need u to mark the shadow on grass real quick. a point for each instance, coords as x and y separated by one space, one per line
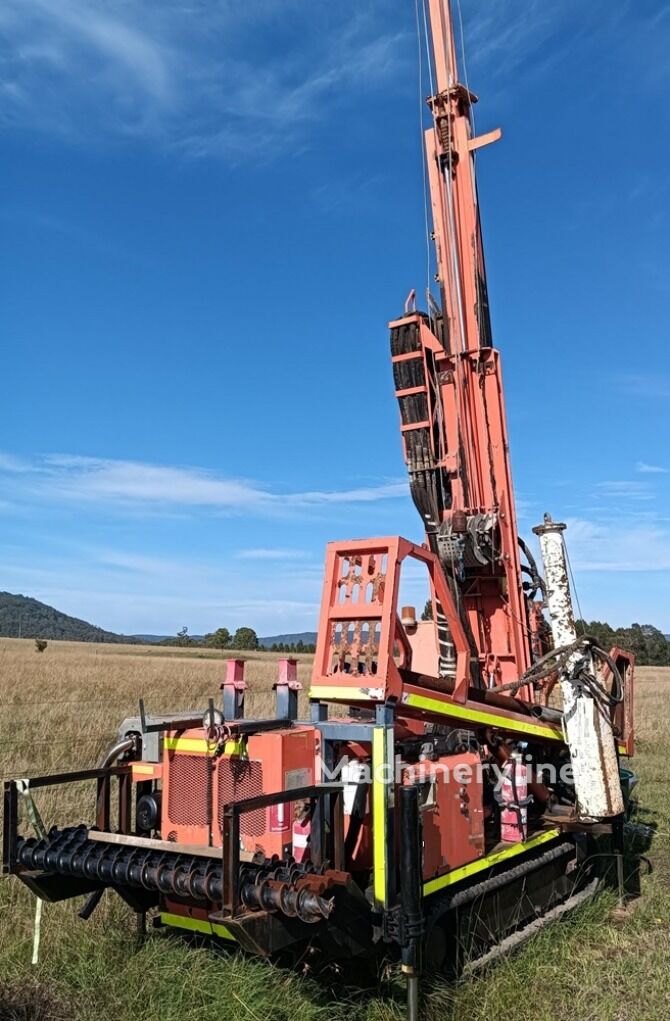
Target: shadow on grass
330 988
31 1001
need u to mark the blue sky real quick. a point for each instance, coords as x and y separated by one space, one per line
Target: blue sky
209 212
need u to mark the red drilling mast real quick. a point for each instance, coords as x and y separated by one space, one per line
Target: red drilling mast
449 388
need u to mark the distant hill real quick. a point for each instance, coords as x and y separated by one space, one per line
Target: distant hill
306 637
23 617
149 639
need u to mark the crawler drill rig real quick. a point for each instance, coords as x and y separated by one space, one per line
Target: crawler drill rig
431 774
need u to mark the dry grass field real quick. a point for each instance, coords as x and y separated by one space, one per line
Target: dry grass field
60 709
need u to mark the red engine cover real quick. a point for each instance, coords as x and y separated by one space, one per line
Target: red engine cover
452 811
275 761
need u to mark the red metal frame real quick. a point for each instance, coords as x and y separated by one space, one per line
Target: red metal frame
359 627
624 718
362 647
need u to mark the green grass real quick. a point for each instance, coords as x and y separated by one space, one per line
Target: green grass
599 968
595 965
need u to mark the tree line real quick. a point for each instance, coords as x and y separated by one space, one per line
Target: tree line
244 639
298 646
650 646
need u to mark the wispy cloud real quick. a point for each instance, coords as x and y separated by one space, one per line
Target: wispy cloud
501 35
131 485
137 563
650 469
507 37
641 385
130 592
215 78
271 554
9 463
624 489
620 544
66 230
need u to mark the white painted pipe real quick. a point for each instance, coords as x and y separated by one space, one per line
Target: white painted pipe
590 738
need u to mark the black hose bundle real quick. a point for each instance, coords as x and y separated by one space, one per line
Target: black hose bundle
556 661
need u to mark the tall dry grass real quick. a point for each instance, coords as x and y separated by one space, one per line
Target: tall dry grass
61 708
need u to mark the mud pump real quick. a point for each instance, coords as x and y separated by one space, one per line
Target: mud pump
468 761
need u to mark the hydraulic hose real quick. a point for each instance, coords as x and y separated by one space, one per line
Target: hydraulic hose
116 751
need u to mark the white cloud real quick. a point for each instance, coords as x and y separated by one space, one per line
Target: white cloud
505 38
9 463
133 593
650 469
622 544
502 35
271 554
624 489
640 385
101 479
134 562
364 494
135 485
217 78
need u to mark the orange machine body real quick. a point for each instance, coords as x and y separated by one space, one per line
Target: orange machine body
264 763
452 811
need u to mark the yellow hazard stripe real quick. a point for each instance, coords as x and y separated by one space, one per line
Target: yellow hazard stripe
477 716
199 744
189 744
455 876
353 694
196 925
380 791
234 747
443 708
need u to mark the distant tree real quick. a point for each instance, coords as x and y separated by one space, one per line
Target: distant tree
40 645
646 642
427 612
658 647
245 638
300 646
633 639
219 639
603 633
183 637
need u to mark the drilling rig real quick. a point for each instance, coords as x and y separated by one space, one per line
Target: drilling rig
443 794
